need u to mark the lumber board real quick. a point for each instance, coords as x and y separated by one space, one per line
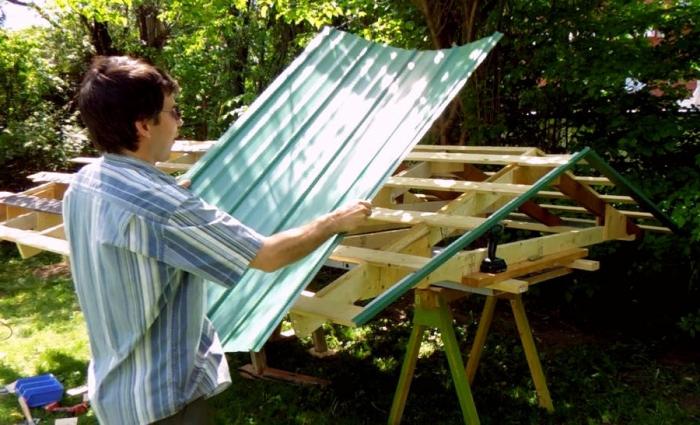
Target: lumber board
377 257
33 203
548 275
430 218
172 167
51 176
585 265
489 159
537 227
457 185
83 160
34 240
618 226
455 221
514 252
657 229
192 146
594 181
473 149
341 313
374 240
525 267
612 199
510 286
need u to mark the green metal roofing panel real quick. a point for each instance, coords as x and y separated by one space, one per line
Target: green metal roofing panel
331 128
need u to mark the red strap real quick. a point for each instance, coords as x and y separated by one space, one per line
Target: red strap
75 410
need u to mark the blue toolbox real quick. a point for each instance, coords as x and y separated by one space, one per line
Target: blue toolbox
39 390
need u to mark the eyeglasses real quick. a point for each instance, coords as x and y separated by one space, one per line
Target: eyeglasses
175 112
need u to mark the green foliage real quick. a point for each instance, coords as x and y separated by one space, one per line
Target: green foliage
37 132
690 323
562 78
43 329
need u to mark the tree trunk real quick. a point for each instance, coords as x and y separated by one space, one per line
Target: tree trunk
99 36
152 31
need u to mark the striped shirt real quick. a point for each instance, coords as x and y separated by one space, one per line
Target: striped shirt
141 248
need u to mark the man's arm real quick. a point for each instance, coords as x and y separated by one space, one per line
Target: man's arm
291 245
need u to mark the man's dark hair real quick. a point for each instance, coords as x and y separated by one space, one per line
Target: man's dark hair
116 92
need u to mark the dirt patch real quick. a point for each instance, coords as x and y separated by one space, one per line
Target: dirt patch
52 270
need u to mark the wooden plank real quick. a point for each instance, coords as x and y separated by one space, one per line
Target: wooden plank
657 229
585 265
172 167
618 226
341 313
374 240
566 208
537 227
576 209
454 221
540 214
511 286
50 176
430 218
35 240
192 146
457 185
612 199
357 255
25 221
473 149
33 203
548 275
584 195
490 159
522 268
83 160
594 181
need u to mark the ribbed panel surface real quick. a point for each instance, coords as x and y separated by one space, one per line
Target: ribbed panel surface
328 130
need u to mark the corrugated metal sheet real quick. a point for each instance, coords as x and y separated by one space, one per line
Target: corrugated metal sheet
330 129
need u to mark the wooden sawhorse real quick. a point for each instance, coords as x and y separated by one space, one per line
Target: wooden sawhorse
432 310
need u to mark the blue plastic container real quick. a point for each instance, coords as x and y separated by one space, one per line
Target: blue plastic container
39 390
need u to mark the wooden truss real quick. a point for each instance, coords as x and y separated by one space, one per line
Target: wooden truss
439 193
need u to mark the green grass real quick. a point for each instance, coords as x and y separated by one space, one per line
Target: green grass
595 376
42 327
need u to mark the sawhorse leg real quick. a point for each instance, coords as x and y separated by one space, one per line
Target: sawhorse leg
533 360
431 310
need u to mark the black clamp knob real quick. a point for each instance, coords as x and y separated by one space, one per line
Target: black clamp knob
491 263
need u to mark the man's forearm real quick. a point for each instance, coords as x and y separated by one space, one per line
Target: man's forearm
291 245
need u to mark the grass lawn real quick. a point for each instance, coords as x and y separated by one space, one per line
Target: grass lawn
595 376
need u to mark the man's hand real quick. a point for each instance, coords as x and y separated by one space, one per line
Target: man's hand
184 183
351 216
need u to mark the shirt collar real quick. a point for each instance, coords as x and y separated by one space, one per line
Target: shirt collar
138 164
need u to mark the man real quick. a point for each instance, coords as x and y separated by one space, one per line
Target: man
141 247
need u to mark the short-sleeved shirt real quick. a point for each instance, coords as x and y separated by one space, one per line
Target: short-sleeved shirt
141 248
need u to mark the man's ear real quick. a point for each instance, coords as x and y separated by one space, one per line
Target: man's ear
143 128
